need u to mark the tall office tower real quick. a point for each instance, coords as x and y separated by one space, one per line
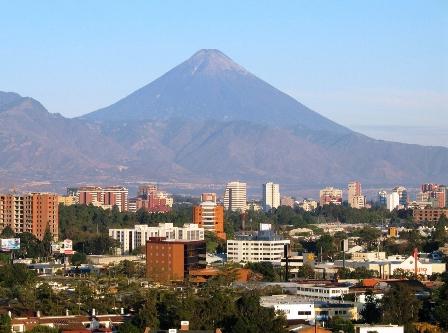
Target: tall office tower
403 195
271 196
330 195
393 201
235 196
382 198
210 216
33 212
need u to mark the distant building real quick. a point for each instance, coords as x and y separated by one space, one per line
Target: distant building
271 196
382 198
287 201
308 205
67 200
32 212
169 260
151 199
106 197
134 238
260 246
330 195
429 214
354 189
235 196
393 201
208 197
402 194
366 328
210 216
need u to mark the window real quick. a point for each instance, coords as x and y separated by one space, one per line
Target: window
304 313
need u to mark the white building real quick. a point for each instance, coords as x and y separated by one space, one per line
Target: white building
235 196
365 328
308 205
131 239
393 201
298 308
322 291
245 250
271 196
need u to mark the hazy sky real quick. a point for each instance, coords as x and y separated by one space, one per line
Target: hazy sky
380 67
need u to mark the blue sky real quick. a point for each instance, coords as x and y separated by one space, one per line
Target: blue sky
377 66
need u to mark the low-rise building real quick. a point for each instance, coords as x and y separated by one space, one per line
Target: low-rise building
368 256
260 246
297 308
171 260
131 239
429 214
322 290
366 328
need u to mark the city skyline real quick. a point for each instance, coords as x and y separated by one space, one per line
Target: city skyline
383 69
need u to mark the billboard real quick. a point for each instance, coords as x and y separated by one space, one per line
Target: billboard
9 244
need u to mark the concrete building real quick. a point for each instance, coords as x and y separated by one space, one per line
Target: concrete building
263 245
330 195
393 201
429 214
368 256
210 216
402 194
297 308
106 197
322 290
169 260
271 196
308 205
354 190
235 196
287 201
131 239
208 197
33 212
382 198
67 200
358 201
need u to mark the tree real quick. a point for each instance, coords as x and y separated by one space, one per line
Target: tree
46 243
325 244
5 323
340 324
43 329
128 327
266 269
79 258
306 271
400 306
371 313
7 232
441 302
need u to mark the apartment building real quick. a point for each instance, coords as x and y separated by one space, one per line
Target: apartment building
429 214
105 197
271 196
134 238
32 212
330 195
210 216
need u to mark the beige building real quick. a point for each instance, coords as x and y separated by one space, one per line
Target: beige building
67 200
330 195
235 196
308 205
271 196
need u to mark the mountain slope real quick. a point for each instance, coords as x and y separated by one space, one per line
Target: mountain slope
211 86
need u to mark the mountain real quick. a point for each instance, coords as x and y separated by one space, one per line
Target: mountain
210 86
37 145
208 120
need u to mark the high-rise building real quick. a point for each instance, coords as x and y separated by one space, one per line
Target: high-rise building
271 196
210 216
208 197
354 189
393 201
402 194
106 197
382 198
235 197
145 190
33 213
168 260
355 197
330 195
